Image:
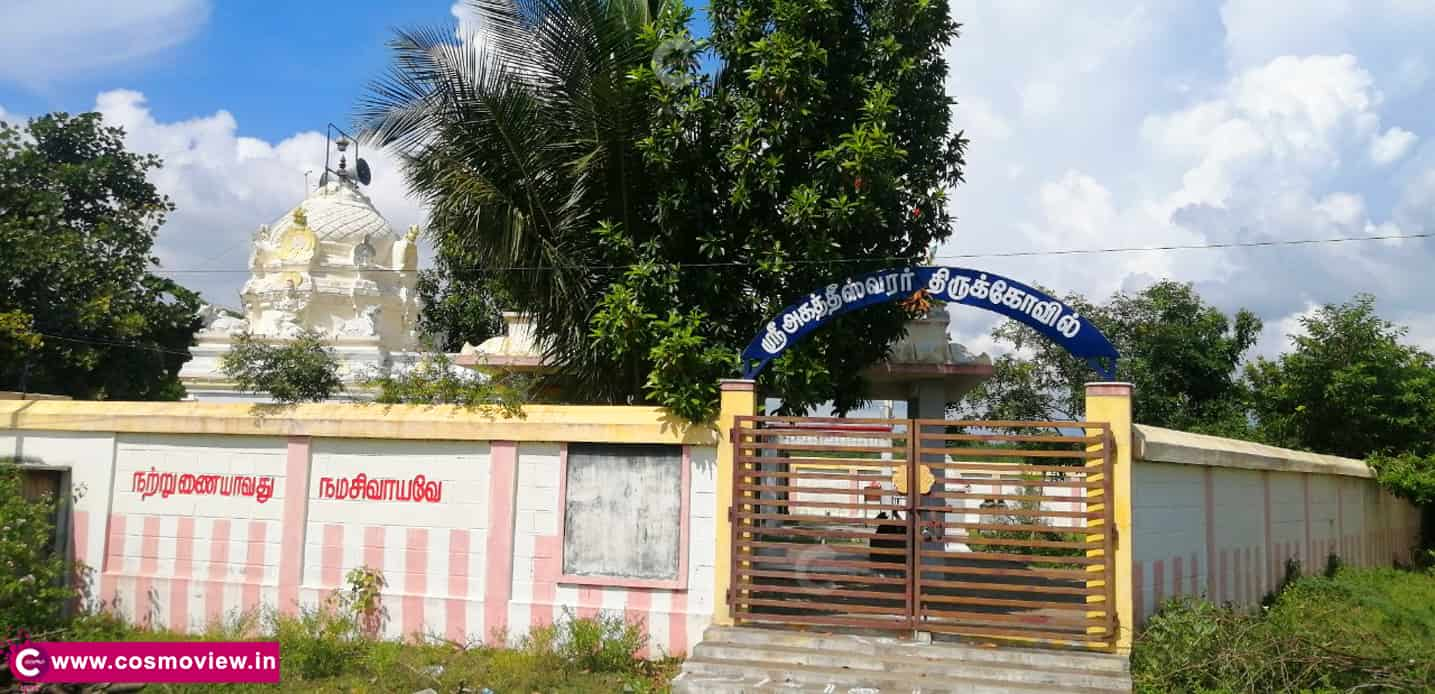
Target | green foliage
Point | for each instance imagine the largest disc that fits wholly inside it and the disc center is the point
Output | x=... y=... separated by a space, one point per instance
x=81 y=314
x=434 y=380
x=1182 y=355
x=328 y=649
x=649 y=216
x=1350 y=387
x=1347 y=387
x=319 y=642
x=304 y=369
x=1354 y=629
x=1407 y=475
x=460 y=305
x=606 y=643
x=33 y=594
x=364 y=598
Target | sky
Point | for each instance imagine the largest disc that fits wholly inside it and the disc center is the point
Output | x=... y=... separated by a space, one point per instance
x=1093 y=124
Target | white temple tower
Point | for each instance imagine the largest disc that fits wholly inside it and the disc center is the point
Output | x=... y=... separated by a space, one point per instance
x=332 y=264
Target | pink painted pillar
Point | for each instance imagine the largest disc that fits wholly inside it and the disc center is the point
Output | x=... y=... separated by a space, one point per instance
x=498 y=549
x=296 y=518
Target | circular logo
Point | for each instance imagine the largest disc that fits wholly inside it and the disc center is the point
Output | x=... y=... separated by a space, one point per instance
x=672 y=75
x=28 y=662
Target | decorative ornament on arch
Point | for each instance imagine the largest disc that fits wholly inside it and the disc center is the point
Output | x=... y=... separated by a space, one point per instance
x=297 y=243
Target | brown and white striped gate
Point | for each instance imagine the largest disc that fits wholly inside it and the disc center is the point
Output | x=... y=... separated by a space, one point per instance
x=990 y=530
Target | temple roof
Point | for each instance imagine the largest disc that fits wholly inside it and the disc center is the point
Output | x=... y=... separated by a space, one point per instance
x=338 y=212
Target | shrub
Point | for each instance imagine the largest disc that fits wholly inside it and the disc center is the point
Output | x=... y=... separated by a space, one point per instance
x=305 y=369
x=605 y=643
x=1366 y=628
x=320 y=642
x=33 y=590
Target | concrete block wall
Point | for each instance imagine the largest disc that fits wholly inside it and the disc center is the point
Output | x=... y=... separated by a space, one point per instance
x=482 y=562
x=1219 y=518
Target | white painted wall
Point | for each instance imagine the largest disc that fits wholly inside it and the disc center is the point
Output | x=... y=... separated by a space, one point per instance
x=184 y=560
x=1219 y=518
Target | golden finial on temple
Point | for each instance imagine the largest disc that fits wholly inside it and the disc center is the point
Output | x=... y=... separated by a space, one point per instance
x=413 y=233
x=300 y=219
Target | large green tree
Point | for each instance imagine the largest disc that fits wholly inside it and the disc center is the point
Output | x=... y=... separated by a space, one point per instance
x=1348 y=386
x=651 y=216
x=1182 y=354
x=81 y=313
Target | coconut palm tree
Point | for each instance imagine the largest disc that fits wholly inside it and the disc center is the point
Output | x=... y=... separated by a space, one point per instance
x=519 y=133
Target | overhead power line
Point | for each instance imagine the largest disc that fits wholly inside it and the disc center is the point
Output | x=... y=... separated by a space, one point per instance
x=959 y=256
x=955 y=256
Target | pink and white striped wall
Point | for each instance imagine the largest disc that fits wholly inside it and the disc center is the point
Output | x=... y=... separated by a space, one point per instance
x=1220 y=518
x=482 y=564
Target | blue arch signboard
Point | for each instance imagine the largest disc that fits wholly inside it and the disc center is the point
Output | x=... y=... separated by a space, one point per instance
x=985 y=290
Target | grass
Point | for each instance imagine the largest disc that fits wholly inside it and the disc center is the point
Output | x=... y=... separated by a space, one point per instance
x=323 y=650
x=1347 y=630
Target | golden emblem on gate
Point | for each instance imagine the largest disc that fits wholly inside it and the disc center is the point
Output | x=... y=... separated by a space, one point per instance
x=925 y=480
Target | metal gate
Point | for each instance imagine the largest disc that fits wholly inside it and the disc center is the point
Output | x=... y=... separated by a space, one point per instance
x=990 y=530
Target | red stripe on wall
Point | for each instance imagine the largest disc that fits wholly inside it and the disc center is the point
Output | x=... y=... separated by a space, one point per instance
x=635 y=611
x=456 y=606
x=254 y=564
x=183 y=569
x=218 y=567
x=1222 y=595
x=1138 y=591
x=332 y=559
x=1158 y=583
x=547 y=567
x=374 y=547
x=294 y=525
x=498 y=555
x=149 y=566
x=1196 y=577
x=1178 y=578
x=80 y=536
x=678 y=624
x=114 y=560
x=416 y=560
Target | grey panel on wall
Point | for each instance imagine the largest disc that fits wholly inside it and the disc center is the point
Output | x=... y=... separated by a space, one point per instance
x=623 y=511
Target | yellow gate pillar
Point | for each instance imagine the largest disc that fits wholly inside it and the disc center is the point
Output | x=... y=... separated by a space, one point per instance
x=739 y=398
x=1111 y=403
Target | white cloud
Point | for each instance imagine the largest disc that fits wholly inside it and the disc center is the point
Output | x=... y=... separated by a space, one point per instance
x=225 y=185
x=1286 y=134
x=1392 y=145
x=41 y=42
x=981 y=122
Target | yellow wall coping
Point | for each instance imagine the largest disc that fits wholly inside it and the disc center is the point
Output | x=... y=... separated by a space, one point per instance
x=576 y=423
x=1158 y=445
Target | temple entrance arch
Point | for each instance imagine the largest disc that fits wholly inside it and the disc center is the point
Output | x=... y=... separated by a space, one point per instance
x=1047 y=315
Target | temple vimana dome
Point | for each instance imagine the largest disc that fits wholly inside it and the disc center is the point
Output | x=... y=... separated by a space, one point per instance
x=332 y=264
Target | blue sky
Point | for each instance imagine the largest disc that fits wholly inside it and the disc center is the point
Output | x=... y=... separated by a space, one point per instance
x=1093 y=123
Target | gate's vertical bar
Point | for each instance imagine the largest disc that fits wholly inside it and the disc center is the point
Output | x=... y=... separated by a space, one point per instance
x=1111 y=403
x=914 y=532
x=738 y=398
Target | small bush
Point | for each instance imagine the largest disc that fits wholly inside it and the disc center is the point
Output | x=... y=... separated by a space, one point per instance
x=320 y=642
x=1357 y=628
x=602 y=644
x=33 y=590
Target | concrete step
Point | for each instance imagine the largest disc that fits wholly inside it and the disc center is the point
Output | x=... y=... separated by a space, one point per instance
x=913 y=662
x=721 y=677
x=879 y=646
